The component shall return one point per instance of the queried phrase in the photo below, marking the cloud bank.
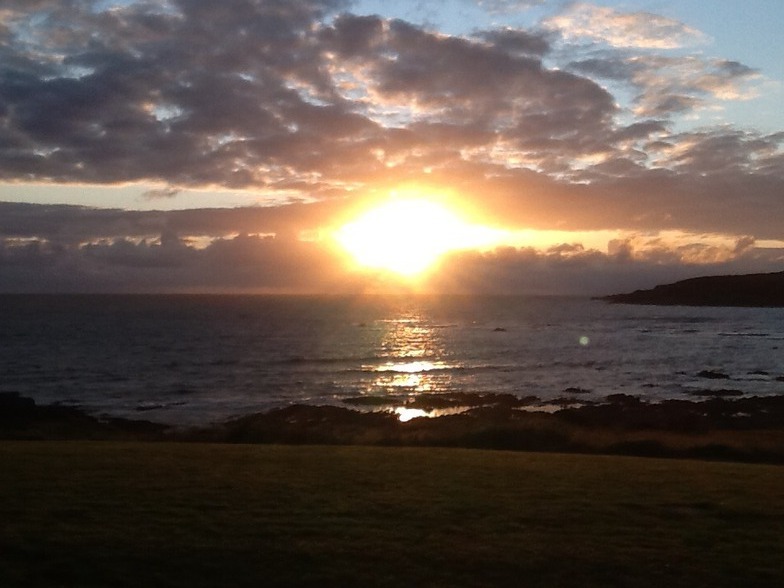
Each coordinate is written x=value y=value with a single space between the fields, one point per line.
x=77 y=249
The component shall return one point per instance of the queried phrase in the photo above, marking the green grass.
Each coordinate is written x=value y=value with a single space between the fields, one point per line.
x=113 y=514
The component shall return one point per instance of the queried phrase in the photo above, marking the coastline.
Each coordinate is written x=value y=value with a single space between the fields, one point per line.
x=747 y=290
x=743 y=429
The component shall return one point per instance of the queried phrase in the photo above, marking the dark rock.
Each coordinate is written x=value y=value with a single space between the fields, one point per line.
x=567 y=401
x=576 y=390
x=716 y=393
x=12 y=405
x=304 y=424
x=468 y=400
x=22 y=418
x=373 y=400
x=626 y=399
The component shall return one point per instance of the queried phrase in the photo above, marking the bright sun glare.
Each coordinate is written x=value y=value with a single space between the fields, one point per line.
x=407 y=236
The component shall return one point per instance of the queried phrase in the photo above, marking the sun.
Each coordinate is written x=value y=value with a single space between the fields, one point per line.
x=406 y=236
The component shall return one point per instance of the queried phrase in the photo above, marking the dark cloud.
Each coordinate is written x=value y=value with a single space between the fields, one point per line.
x=668 y=85
x=161 y=193
x=170 y=264
x=515 y=41
x=75 y=225
x=729 y=152
x=190 y=93
x=272 y=95
x=260 y=94
x=493 y=92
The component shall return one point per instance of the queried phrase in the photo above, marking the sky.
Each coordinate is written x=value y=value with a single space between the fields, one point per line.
x=575 y=147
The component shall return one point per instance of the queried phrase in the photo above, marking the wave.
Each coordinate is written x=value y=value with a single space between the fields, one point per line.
x=684 y=320
x=302 y=359
x=413 y=367
x=363 y=360
x=146 y=405
x=425 y=367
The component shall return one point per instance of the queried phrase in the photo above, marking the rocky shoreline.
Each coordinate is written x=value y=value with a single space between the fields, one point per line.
x=727 y=428
x=22 y=418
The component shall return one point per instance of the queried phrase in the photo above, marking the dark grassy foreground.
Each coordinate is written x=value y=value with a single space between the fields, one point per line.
x=188 y=514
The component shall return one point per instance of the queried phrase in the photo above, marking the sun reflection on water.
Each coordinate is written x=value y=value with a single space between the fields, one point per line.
x=413 y=382
x=414 y=352
x=406 y=414
x=412 y=367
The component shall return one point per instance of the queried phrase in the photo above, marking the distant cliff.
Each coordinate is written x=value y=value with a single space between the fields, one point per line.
x=743 y=290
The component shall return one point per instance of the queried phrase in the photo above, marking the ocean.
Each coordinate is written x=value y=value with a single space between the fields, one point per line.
x=199 y=359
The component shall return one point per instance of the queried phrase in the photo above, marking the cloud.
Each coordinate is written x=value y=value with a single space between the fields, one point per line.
x=731 y=153
x=494 y=93
x=265 y=95
x=274 y=97
x=572 y=269
x=161 y=193
x=302 y=102
x=77 y=225
x=195 y=94
x=672 y=85
x=168 y=264
x=623 y=29
x=507 y=6
x=68 y=249
x=515 y=41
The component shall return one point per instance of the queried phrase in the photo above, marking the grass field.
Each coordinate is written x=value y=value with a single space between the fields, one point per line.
x=159 y=514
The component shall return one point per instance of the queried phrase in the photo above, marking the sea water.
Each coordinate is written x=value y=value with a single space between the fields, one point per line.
x=198 y=359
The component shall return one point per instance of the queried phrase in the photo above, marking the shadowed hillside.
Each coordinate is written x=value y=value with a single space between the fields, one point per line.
x=743 y=290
